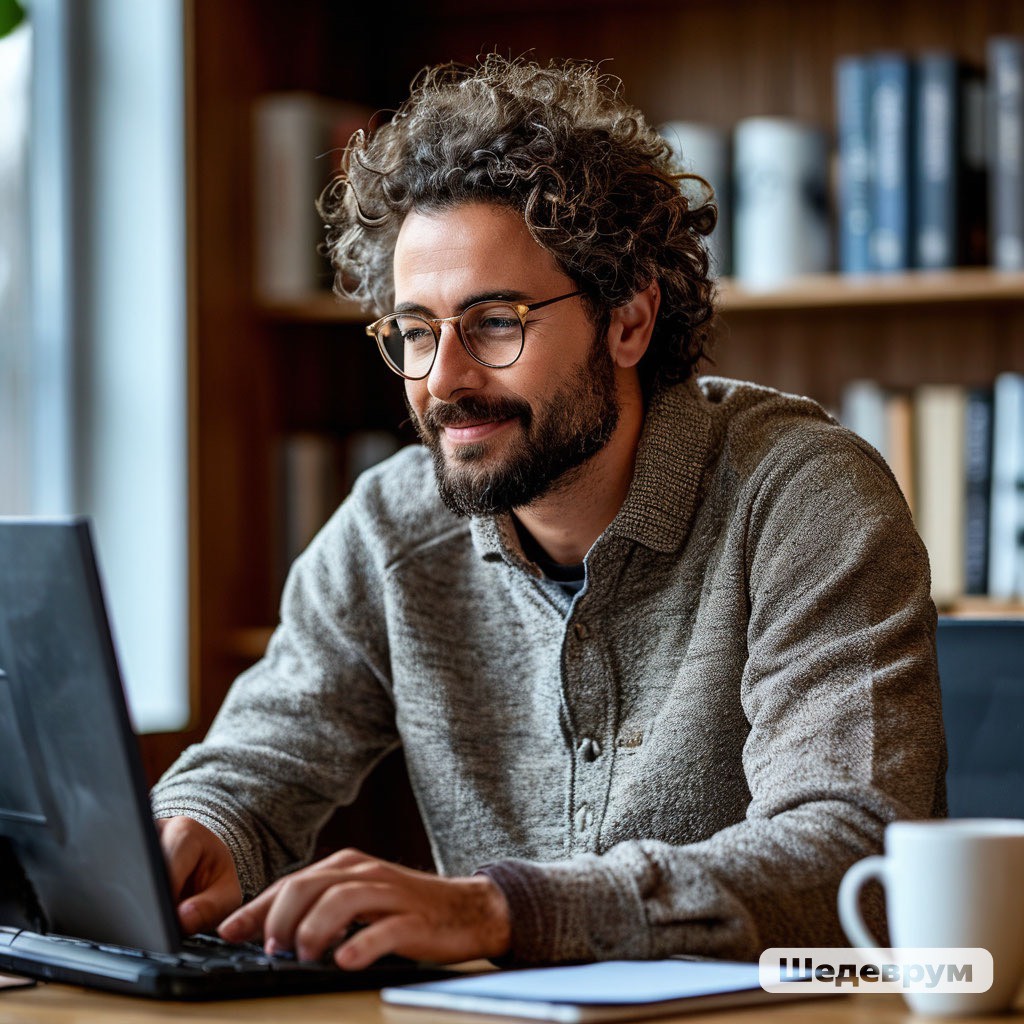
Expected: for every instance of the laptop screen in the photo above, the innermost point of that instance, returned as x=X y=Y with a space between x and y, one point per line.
x=981 y=665
x=81 y=855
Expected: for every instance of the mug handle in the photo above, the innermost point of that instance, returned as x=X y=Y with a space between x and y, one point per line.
x=849 y=898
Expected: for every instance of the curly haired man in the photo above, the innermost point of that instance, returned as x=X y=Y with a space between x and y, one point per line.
x=659 y=649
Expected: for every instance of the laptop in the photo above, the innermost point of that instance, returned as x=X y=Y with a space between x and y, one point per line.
x=981 y=665
x=84 y=890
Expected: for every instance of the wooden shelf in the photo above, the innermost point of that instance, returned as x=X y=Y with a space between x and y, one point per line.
x=249 y=644
x=317 y=307
x=818 y=291
x=984 y=608
x=838 y=291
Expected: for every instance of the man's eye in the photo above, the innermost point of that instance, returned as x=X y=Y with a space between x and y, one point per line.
x=415 y=335
x=499 y=323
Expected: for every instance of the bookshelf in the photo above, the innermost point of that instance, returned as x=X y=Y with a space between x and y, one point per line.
x=261 y=370
x=964 y=285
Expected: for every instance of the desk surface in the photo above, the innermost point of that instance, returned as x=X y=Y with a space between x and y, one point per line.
x=65 y=1004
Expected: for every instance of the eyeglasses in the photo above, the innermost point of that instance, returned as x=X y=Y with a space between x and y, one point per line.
x=493 y=332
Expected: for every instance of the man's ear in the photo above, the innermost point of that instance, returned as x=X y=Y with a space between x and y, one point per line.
x=631 y=326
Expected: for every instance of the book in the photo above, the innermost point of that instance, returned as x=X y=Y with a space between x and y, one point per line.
x=890 y=195
x=863 y=411
x=318 y=469
x=607 y=991
x=1005 y=57
x=977 y=485
x=973 y=184
x=1006 y=529
x=899 y=443
x=781 y=225
x=363 y=450
x=853 y=193
x=296 y=140
x=936 y=161
x=705 y=150
x=939 y=441
x=312 y=486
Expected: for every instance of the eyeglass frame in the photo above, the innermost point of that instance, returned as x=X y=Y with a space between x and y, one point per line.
x=435 y=324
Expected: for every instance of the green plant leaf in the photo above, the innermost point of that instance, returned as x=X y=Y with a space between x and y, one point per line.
x=12 y=14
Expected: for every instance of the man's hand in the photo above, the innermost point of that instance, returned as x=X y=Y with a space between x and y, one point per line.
x=411 y=913
x=204 y=881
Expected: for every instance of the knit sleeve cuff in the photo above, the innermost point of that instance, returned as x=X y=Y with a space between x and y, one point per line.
x=231 y=828
x=579 y=910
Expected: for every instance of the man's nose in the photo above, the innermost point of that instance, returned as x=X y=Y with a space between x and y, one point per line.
x=454 y=368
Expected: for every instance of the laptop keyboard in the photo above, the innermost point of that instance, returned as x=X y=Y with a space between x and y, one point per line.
x=207 y=954
x=205 y=967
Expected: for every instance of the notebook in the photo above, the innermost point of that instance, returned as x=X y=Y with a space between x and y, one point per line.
x=608 y=991
x=84 y=893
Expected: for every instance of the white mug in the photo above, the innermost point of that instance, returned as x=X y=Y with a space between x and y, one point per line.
x=949 y=883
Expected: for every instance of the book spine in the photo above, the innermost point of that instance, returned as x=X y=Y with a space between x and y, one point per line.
x=290 y=133
x=899 y=444
x=863 y=412
x=853 y=106
x=891 y=98
x=1006 y=151
x=939 y=431
x=312 y=475
x=1006 y=537
x=973 y=171
x=977 y=485
x=935 y=151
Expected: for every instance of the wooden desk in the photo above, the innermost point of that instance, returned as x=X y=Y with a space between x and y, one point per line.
x=65 y=1004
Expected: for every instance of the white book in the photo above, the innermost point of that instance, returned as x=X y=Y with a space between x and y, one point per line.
x=863 y=411
x=939 y=441
x=295 y=142
x=1006 y=537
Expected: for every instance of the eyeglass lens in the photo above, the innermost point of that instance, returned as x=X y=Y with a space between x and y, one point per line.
x=491 y=331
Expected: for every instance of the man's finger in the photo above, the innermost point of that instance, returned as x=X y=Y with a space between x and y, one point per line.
x=338 y=908
x=204 y=911
x=401 y=933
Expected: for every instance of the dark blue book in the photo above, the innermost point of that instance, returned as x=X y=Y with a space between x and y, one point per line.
x=892 y=85
x=936 y=127
x=853 y=124
x=978 y=485
x=950 y=174
x=1006 y=151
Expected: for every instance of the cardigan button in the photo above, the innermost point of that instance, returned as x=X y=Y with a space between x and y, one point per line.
x=589 y=749
x=581 y=631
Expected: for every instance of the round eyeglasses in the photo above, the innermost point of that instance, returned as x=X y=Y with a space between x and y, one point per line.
x=493 y=332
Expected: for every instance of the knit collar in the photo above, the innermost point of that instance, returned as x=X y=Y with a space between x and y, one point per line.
x=662 y=497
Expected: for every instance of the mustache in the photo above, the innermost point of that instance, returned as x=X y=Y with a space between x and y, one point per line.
x=474 y=409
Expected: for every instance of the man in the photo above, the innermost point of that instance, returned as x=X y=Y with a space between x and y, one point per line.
x=659 y=651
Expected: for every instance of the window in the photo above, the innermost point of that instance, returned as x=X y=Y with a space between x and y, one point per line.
x=93 y=369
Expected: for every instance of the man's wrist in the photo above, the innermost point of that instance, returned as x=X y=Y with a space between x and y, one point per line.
x=497 y=918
